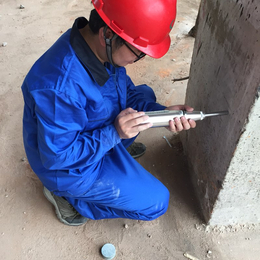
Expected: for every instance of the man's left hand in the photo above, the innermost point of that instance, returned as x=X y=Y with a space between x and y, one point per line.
x=179 y=124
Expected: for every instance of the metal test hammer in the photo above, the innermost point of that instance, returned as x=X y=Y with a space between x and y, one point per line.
x=162 y=117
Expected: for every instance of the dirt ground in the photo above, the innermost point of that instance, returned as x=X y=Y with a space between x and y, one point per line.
x=29 y=228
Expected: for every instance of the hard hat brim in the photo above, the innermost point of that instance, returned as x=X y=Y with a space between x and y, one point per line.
x=155 y=51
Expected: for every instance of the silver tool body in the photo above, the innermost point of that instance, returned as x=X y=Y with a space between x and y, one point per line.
x=162 y=117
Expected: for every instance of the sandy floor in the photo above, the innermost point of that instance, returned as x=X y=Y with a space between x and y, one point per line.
x=29 y=228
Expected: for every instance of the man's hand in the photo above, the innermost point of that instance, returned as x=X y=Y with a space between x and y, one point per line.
x=177 y=125
x=128 y=123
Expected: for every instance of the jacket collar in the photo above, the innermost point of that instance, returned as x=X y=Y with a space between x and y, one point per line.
x=85 y=54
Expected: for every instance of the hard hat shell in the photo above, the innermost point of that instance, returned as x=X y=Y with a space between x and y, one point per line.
x=145 y=24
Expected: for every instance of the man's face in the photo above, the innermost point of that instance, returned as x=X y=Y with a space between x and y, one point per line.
x=126 y=54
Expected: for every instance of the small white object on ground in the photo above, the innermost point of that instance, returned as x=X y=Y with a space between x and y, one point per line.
x=108 y=251
x=190 y=256
x=4 y=44
x=209 y=254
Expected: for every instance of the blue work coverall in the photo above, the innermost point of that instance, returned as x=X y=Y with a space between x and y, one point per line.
x=71 y=102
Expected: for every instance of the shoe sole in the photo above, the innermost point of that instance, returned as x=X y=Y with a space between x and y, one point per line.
x=139 y=155
x=50 y=198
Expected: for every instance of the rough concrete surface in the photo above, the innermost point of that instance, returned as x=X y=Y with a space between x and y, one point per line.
x=29 y=228
x=238 y=201
x=225 y=76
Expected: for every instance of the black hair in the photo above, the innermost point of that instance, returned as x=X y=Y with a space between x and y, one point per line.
x=96 y=22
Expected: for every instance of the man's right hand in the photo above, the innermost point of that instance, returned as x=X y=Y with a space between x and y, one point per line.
x=128 y=123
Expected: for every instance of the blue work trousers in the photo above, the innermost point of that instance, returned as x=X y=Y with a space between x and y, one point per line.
x=123 y=189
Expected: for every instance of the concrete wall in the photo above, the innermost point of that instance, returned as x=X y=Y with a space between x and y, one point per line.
x=223 y=152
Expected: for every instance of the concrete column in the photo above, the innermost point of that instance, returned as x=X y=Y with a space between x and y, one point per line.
x=224 y=152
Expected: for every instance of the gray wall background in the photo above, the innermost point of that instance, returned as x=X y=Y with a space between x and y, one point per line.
x=223 y=152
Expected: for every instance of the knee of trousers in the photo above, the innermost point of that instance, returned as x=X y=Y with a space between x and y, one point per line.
x=148 y=91
x=159 y=206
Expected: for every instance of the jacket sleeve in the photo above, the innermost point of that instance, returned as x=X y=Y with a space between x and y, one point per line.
x=62 y=141
x=141 y=98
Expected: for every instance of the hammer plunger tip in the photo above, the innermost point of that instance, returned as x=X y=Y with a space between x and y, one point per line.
x=221 y=113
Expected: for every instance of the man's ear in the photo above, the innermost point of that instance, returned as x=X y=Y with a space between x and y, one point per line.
x=109 y=35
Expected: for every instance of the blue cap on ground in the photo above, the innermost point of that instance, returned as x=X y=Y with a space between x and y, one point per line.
x=108 y=251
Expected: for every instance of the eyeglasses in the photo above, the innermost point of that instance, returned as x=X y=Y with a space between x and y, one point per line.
x=140 y=56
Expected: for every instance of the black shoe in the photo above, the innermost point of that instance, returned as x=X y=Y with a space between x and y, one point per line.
x=64 y=211
x=136 y=149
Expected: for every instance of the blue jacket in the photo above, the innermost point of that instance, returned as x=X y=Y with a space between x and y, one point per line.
x=71 y=102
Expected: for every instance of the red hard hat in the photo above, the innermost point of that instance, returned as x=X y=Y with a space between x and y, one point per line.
x=145 y=24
